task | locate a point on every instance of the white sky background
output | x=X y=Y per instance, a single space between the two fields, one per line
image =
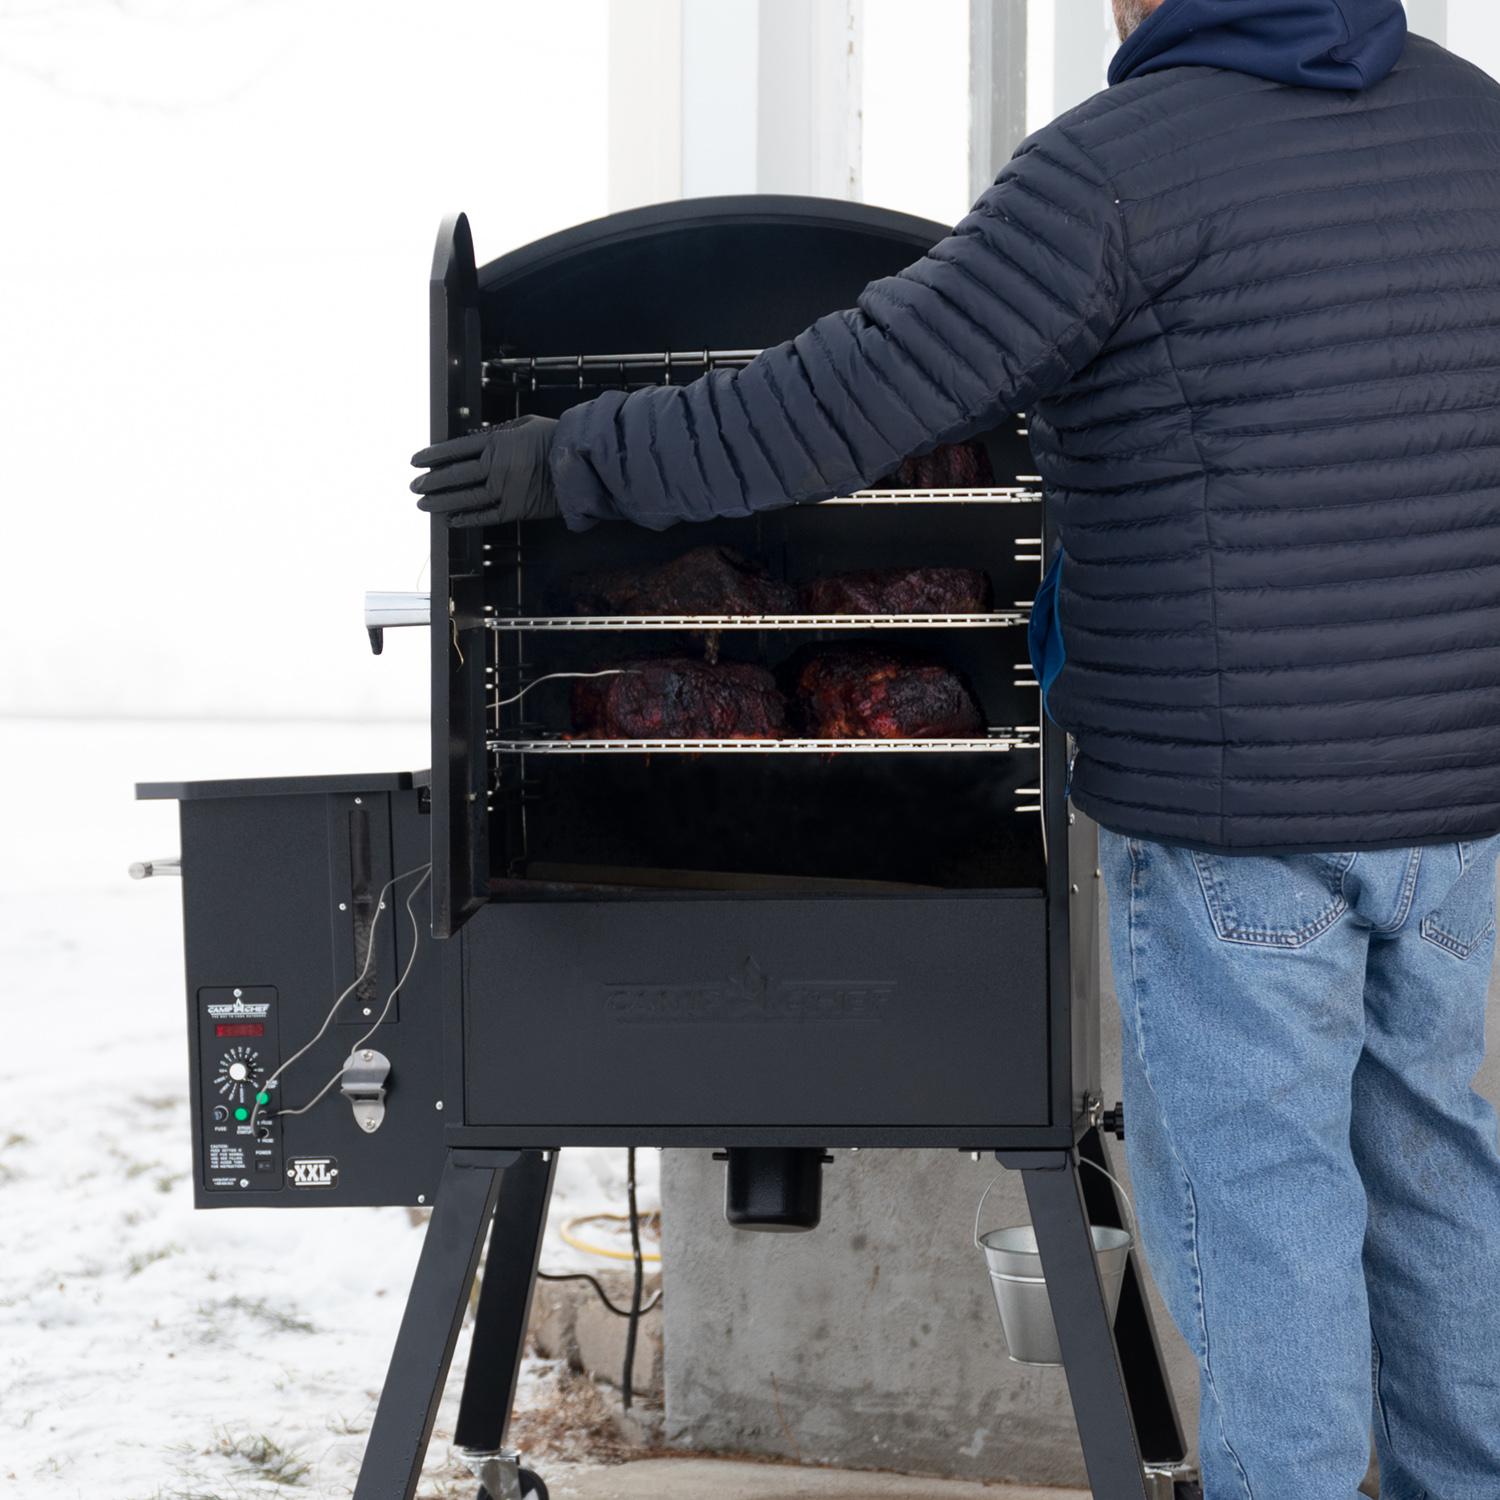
x=213 y=291
x=219 y=218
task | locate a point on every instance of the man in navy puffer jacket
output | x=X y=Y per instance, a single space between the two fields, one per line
x=1249 y=297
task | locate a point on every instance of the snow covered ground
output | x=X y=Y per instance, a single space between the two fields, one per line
x=148 y=1352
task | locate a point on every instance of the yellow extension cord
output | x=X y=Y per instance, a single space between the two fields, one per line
x=570 y=1237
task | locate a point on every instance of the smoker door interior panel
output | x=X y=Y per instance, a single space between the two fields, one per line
x=699 y=1013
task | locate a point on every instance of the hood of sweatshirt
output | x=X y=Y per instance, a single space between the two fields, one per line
x=1317 y=44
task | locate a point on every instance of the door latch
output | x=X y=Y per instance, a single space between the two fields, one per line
x=363 y=1085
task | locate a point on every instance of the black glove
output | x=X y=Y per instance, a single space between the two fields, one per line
x=500 y=474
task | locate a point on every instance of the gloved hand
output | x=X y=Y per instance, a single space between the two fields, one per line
x=500 y=474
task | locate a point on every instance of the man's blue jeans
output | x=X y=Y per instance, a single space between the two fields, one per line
x=1318 y=1183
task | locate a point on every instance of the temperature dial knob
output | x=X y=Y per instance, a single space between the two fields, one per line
x=239 y=1075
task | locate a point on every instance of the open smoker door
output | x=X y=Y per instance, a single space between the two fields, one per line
x=460 y=831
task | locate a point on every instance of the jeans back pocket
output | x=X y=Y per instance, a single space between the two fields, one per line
x=1273 y=901
x=1464 y=919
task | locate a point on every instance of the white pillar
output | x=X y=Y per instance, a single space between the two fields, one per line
x=645 y=102
x=1084 y=40
x=720 y=97
x=997 y=87
x=1429 y=18
x=734 y=96
x=809 y=97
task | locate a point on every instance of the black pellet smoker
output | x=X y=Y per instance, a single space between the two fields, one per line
x=773 y=949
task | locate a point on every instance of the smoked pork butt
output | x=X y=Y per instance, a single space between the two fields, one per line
x=953 y=466
x=899 y=591
x=680 y=698
x=884 y=695
x=705 y=581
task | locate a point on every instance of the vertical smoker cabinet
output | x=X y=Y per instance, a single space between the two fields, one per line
x=749 y=948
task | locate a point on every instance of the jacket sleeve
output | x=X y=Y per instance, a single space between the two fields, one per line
x=1018 y=298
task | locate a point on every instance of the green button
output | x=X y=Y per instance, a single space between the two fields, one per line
x=242 y=1113
x=263 y=1097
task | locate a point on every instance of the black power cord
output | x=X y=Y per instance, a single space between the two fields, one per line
x=628 y=1379
x=619 y=1312
x=637 y=1309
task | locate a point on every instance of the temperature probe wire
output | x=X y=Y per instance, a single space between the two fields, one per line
x=416 y=935
x=359 y=979
x=553 y=676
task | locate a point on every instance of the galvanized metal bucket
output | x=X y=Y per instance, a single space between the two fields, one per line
x=1020 y=1288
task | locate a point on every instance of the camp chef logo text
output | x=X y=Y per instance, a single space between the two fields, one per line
x=241 y=1010
x=313 y=1171
x=748 y=996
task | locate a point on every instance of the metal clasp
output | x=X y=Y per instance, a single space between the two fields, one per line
x=363 y=1085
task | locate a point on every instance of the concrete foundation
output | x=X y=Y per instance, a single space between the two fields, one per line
x=709 y=1479
x=873 y=1342
x=570 y=1323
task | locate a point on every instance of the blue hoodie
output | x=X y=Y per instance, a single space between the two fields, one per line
x=1316 y=44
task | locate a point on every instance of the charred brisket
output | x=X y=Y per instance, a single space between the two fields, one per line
x=705 y=581
x=878 y=695
x=680 y=698
x=899 y=591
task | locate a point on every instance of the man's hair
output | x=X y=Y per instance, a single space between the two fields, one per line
x=1130 y=13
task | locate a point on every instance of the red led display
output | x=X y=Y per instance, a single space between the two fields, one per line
x=240 y=1028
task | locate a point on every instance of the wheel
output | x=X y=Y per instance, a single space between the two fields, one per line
x=532 y=1488
x=1189 y=1489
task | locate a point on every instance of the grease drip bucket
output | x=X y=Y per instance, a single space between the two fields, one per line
x=1020 y=1287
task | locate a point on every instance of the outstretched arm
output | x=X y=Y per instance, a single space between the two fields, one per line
x=1018 y=298
x=1010 y=305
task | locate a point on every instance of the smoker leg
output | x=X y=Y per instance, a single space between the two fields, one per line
x=1158 y=1426
x=1101 y=1404
x=439 y=1294
x=505 y=1302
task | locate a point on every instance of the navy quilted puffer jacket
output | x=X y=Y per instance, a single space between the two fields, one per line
x=1250 y=298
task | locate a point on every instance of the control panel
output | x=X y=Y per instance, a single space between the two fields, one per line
x=237 y=1058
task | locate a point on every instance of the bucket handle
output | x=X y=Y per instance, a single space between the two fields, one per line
x=1124 y=1197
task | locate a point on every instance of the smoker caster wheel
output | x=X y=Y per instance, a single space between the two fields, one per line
x=532 y=1488
x=1189 y=1489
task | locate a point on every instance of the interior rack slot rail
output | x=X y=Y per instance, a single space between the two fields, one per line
x=523 y=365
x=989 y=619
x=997 y=741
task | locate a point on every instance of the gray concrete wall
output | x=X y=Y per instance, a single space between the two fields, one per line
x=873 y=1342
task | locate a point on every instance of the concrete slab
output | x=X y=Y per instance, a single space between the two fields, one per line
x=716 y=1479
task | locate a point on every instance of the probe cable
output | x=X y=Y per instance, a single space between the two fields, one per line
x=552 y=676
x=385 y=1010
x=359 y=979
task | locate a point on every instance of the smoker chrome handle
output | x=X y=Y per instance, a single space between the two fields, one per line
x=144 y=869
x=384 y=611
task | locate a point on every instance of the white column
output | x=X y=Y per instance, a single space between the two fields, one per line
x=645 y=102
x=720 y=96
x=734 y=96
x=1084 y=40
x=997 y=87
x=809 y=97
x=1429 y=18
